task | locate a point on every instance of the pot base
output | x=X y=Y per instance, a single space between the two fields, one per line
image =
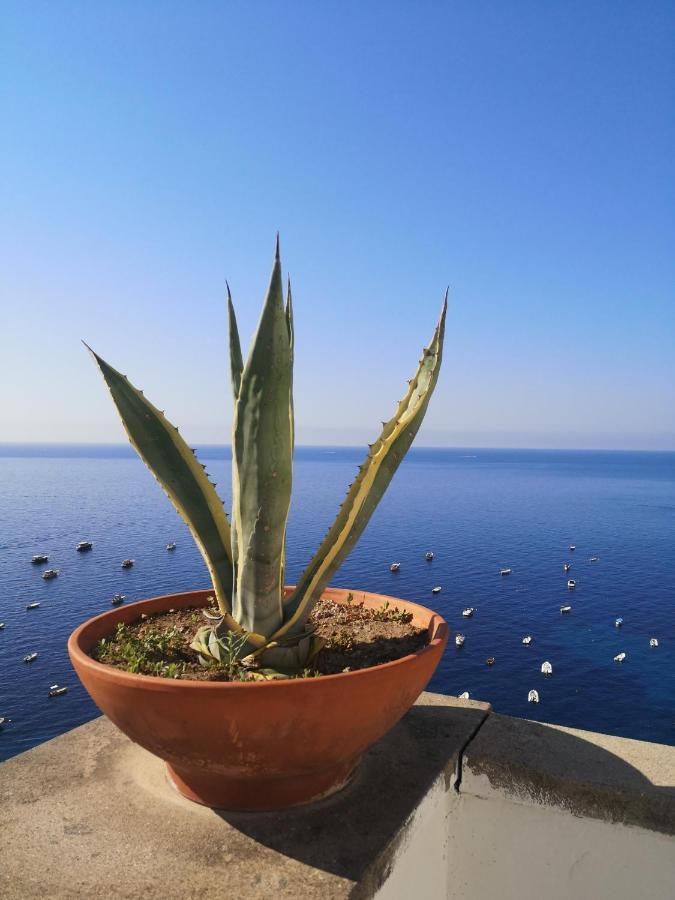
x=256 y=794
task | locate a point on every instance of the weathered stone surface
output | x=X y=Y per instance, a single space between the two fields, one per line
x=92 y=815
x=594 y=775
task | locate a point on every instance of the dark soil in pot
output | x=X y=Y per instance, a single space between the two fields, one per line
x=355 y=638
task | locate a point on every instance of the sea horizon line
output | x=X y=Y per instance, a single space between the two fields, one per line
x=125 y=448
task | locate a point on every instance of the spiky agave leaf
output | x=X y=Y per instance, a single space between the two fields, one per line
x=262 y=455
x=384 y=457
x=293 y=658
x=206 y=643
x=236 y=359
x=236 y=369
x=182 y=477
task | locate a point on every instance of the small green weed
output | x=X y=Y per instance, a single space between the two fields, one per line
x=387 y=613
x=156 y=653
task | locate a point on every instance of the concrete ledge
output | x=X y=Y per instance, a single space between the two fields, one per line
x=89 y=814
x=592 y=775
x=455 y=803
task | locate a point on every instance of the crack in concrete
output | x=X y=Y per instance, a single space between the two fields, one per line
x=460 y=755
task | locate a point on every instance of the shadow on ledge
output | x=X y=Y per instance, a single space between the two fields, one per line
x=356 y=833
x=346 y=833
x=588 y=774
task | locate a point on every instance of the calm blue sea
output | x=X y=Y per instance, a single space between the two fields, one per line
x=478 y=510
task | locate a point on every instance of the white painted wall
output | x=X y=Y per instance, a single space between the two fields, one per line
x=483 y=845
x=419 y=867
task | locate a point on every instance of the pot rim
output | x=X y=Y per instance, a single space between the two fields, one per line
x=438 y=633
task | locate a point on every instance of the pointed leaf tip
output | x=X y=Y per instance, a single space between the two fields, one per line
x=93 y=352
x=445 y=302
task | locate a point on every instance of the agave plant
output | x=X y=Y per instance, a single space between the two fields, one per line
x=246 y=558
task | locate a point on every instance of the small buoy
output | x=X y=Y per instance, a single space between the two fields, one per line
x=533 y=697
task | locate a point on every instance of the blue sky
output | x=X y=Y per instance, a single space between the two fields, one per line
x=522 y=152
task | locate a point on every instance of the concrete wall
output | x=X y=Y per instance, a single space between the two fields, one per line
x=541 y=811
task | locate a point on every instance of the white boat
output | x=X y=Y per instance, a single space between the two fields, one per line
x=546 y=668
x=468 y=612
x=573 y=547
x=436 y=590
x=55 y=690
x=505 y=571
x=619 y=657
x=565 y=609
x=127 y=563
x=567 y=567
x=571 y=584
x=171 y=546
x=118 y=598
x=618 y=622
x=533 y=697
x=459 y=640
x=39 y=558
x=464 y=696
x=50 y=573
x=527 y=640
x=29 y=657
x=33 y=605
x=653 y=642
x=4 y=720
x=394 y=567
x=83 y=546
x=428 y=555
x=2 y=625
x=594 y=559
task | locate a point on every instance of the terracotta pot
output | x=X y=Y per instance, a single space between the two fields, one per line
x=257 y=745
